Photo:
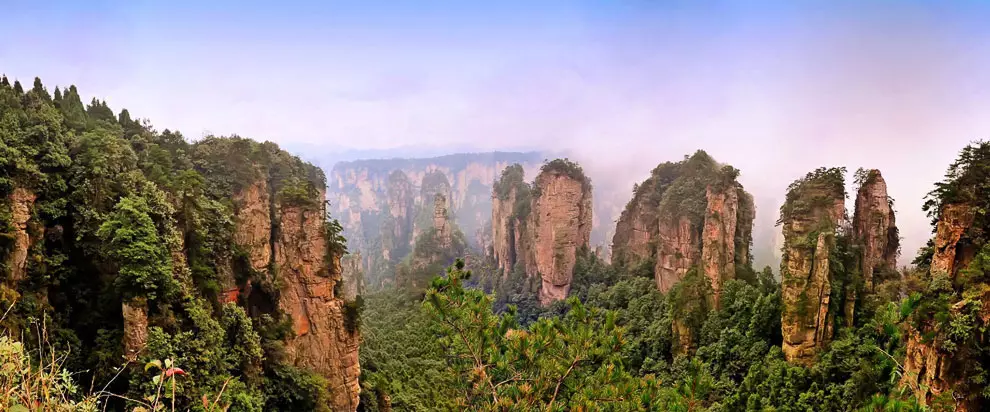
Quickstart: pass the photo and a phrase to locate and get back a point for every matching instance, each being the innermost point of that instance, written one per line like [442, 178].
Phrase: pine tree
[39, 89]
[17, 88]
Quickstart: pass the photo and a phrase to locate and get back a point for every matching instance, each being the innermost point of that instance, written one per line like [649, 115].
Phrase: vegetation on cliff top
[567, 168]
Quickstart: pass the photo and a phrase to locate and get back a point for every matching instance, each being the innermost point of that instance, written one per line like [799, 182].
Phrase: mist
[774, 89]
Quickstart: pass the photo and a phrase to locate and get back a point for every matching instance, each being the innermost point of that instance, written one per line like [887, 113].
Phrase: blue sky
[774, 88]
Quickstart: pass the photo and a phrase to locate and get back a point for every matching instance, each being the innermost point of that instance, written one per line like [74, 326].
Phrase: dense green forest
[483, 341]
[106, 222]
[100, 210]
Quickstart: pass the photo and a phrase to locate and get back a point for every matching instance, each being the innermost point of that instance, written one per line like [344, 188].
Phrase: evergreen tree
[39, 89]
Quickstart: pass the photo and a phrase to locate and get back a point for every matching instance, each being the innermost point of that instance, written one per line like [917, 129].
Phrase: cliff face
[874, 228]
[322, 342]
[810, 217]
[746, 214]
[352, 277]
[718, 250]
[686, 214]
[434, 250]
[253, 230]
[400, 203]
[561, 223]
[677, 250]
[503, 238]
[21, 205]
[637, 226]
[297, 248]
[929, 369]
[358, 196]
[434, 183]
[511, 237]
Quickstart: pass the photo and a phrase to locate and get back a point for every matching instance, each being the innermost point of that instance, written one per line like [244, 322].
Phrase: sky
[774, 88]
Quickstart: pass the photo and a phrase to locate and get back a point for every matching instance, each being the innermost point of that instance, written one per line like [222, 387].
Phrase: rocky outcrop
[358, 197]
[441, 221]
[322, 343]
[352, 277]
[21, 205]
[810, 216]
[400, 202]
[561, 224]
[253, 231]
[135, 315]
[636, 228]
[687, 214]
[511, 204]
[434, 183]
[745, 215]
[718, 250]
[435, 249]
[874, 228]
[678, 249]
[929, 369]
[952, 225]
[295, 245]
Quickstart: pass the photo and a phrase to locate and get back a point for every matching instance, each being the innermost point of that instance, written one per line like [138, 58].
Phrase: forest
[142, 271]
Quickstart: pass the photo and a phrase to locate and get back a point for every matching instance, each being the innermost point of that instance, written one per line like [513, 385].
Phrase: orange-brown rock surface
[636, 227]
[561, 224]
[930, 370]
[678, 249]
[718, 250]
[814, 208]
[510, 204]
[253, 231]
[874, 228]
[297, 249]
[687, 214]
[135, 315]
[21, 204]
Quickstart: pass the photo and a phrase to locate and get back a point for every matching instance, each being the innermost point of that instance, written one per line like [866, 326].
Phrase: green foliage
[815, 191]
[124, 212]
[25, 385]
[401, 358]
[130, 238]
[556, 364]
[567, 168]
[967, 181]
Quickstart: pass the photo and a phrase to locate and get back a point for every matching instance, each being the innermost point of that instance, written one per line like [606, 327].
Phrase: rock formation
[358, 196]
[874, 228]
[352, 277]
[638, 226]
[21, 205]
[297, 249]
[686, 214]
[718, 249]
[397, 234]
[561, 224]
[810, 216]
[678, 247]
[434, 183]
[929, 369]
[510, 214]
[441, 221]
[135, 328]
[434, 250]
